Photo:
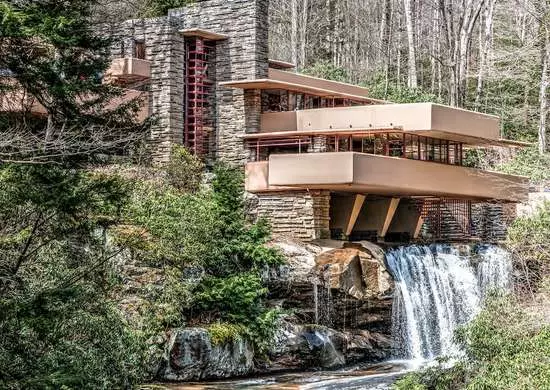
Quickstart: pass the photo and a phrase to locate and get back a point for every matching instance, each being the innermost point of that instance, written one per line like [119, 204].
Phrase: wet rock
[312, 346]
[364, 345]
[299, 346]
[191, 355]
[341, 270]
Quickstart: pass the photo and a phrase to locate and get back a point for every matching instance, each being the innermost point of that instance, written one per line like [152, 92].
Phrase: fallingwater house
[322, 158]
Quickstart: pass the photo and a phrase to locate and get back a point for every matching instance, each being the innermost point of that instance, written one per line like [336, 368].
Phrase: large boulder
[357, 269]
[191, 355]
[299, 262]
[310, 346]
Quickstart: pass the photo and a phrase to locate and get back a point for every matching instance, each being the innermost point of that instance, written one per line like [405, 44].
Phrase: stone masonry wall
[164, 48]
[302, 215]
[242, 56]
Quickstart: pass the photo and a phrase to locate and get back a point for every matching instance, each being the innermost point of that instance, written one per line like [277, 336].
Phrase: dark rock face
[354, 289]
[190, 355]
[310, 346]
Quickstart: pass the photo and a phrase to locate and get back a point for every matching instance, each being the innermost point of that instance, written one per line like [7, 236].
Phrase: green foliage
[205, 234]
[262, 330]
[165, 306]
[410, 382]
[439, 377]
[66, 338]
[529, 162]
[185, 170]
[327, 70]
[177, 227]
[221, 333]
[59, 328]
[379, 89]
[153, 8]
[236, 299]
[529, 243]
[57, 57]
[238, 302]
[474, 158]
[239, 245]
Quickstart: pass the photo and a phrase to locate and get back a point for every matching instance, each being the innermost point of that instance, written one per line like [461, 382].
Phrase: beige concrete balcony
[426, 119]
[19, 101]
[129, 95]
[381, 175]
[128, 70]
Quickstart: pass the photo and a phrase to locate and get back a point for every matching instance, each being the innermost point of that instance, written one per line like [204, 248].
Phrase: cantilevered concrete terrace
[299, 83]
[424, 119]
[123, 71]
[381, 175]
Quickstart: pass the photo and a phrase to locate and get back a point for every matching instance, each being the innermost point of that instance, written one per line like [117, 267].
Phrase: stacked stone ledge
[304, 215]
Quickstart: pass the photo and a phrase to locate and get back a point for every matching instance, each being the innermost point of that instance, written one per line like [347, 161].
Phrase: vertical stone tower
[236, 32]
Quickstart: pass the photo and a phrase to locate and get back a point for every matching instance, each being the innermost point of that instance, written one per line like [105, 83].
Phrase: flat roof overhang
[278, 79]
[424, 119]
[202, 33]
[278, 64]
[381, 175]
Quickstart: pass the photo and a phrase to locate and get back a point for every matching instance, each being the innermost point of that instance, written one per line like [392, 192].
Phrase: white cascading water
[437, 290]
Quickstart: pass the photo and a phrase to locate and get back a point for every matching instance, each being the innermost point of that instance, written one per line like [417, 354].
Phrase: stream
[369, 376]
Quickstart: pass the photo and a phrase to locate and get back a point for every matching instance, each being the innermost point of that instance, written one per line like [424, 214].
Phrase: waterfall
[322, 298]
[494, 269]
[437, 289]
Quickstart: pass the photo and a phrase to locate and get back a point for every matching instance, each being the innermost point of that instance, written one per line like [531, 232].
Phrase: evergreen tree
[59, 328]
[53, 54]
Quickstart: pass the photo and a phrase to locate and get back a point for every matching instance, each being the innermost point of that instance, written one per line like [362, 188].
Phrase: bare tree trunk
[471, 14]
[544, 79]
[294, 31]
[412, 81]
[435, 41]
[484, 48]
[303, 40]
[385, 41]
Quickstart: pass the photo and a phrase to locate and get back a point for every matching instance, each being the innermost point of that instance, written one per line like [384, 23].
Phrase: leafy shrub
[164, 307]
[59, 327]
[178, 226]
[221, 332]
[262, 330]
[205, 233]
[184, 170]
[70, 339]
[240, 245]
[238, 302]
[236, 299]
[410, 382]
